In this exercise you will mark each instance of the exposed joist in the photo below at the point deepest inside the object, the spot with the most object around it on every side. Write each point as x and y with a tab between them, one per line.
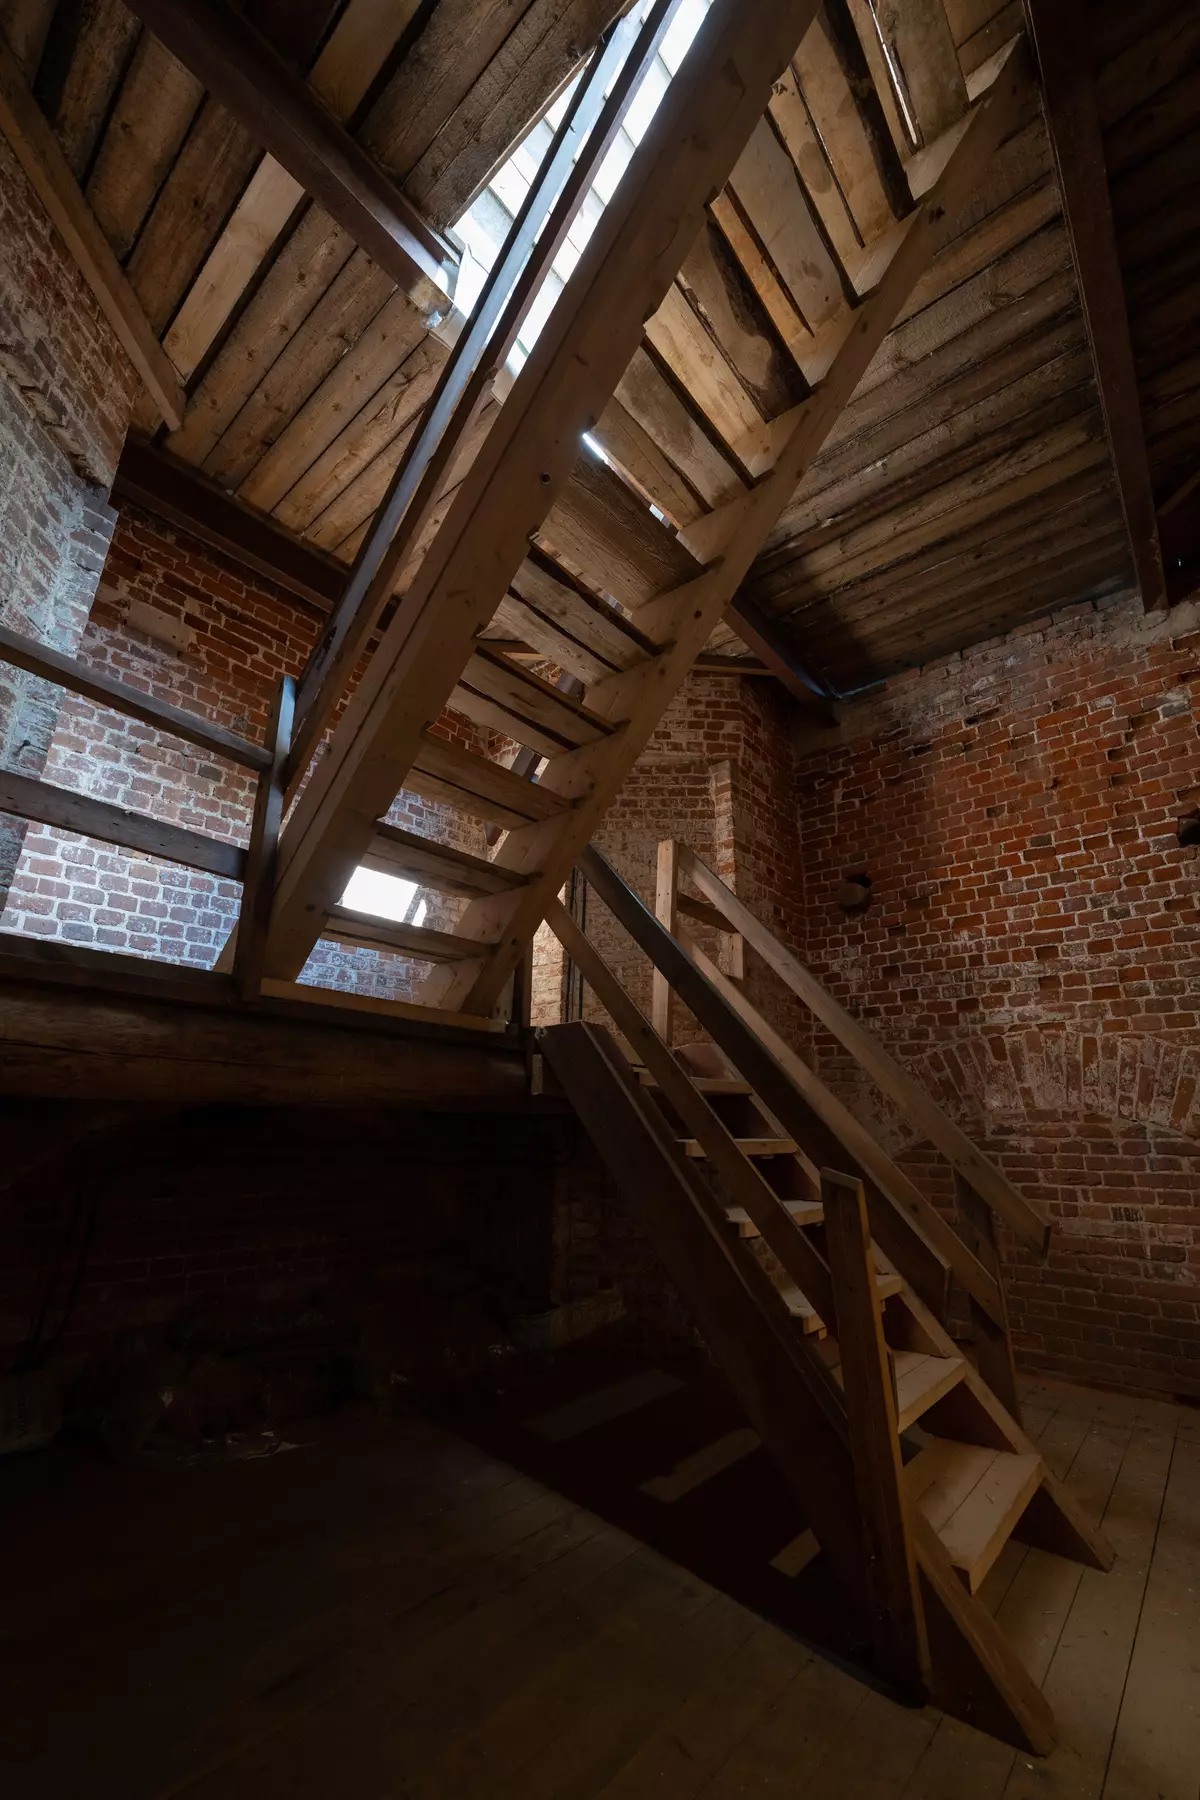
760	633
1060	34
37	150
174	491
243	72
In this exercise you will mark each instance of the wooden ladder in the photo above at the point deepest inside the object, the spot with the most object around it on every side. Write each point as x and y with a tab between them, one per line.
819	1276
542	537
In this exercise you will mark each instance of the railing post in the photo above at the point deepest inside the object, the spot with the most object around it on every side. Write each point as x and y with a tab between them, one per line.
258	883
666	911
993	1338
897	1617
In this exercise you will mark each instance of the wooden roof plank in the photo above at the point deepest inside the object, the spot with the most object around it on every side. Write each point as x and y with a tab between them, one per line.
37	150
245	74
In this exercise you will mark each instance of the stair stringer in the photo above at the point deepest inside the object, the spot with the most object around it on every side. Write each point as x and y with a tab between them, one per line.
780	1382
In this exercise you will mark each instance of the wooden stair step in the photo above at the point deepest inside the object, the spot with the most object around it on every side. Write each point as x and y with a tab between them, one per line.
559	597
922	1380
495	691
805	1212
346	925
887	1283
601	528
395	851
973	1497
749	1146
481	789
705	1084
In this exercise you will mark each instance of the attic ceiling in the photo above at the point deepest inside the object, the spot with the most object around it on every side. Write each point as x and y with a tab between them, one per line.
967	487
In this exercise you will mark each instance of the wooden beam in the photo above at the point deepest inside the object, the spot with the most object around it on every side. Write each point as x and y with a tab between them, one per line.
37	150
191	1044
762	634
528	458
279	109
666	902
26	798
1060	33
897	1619
404	854
347	925
183	496
77	678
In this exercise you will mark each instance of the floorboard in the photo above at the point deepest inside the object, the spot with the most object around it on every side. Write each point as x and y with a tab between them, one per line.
391	1609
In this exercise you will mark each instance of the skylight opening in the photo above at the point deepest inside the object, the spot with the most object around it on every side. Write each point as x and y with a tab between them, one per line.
483	228
385	896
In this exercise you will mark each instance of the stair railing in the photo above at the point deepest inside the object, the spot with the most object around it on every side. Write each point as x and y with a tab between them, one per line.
983	1193
921	1244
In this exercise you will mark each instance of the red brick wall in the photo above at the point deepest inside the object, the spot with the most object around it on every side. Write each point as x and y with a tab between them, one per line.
233	634
66	391
1030	952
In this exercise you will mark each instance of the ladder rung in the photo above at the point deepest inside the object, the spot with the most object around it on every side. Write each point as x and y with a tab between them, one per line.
495	691
397	852
749	1146
805	1212
348	926
482	789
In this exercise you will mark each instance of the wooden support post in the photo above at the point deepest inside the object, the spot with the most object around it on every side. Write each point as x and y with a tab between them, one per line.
258	884
897	1618
666	890
993	1338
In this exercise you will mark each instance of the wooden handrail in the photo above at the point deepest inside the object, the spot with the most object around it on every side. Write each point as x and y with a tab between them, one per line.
918	1106
910	1248
943	1241
51	665
746	1186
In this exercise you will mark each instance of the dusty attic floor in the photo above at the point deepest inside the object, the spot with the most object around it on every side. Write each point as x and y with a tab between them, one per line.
391	1612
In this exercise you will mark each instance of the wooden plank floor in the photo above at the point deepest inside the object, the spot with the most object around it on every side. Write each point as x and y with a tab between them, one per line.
389	1613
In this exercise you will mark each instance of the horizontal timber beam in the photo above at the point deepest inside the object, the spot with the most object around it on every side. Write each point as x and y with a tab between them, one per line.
760	633
60	1040
279	110
45	804
37	150
38	659
174	491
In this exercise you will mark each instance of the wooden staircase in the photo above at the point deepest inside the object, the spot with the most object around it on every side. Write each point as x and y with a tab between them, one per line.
819	1277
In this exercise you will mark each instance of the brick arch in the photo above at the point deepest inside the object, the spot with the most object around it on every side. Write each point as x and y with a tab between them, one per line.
1015	1076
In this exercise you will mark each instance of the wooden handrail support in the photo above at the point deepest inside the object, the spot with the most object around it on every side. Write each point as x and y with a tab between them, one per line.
897	1615
918	1106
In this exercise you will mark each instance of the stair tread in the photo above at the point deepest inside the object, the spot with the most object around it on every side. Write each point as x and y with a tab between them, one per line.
973	1497
801	1307
805	1212
348	925
395	851
749	1146
705	1084
921	1380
